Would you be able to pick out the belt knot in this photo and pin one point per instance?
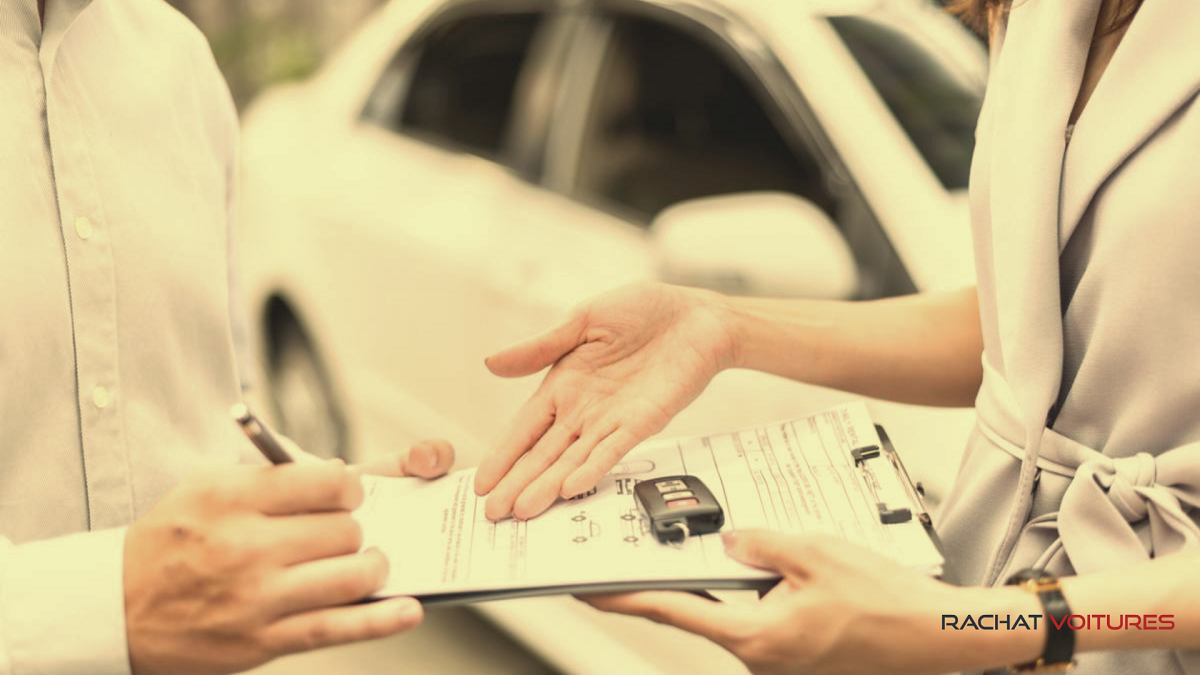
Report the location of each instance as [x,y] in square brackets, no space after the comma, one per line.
[1124,480]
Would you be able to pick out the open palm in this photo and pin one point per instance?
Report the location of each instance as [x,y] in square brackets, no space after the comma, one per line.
[624,364]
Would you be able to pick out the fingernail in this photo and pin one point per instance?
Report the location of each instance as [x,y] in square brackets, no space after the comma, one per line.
[417,458]
[408,608]
[729,538]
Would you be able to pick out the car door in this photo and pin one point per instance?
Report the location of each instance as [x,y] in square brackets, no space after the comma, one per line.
[422,172]
[682,106]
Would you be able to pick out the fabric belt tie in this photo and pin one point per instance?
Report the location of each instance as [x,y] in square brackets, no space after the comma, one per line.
[1107,496]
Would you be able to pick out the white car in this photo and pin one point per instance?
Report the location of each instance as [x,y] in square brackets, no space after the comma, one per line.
[464,171]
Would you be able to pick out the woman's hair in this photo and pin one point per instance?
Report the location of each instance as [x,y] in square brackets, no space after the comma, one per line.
[978,14]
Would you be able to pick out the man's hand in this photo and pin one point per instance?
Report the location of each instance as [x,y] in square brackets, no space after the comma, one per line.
[624,364]
[840,609]
[241,565]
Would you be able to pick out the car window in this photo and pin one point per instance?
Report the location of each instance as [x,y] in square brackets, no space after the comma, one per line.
[462,85]
[672,119]
[934,104]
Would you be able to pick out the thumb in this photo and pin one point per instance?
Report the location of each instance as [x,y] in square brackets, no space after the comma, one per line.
[426,459]
[790,555]
[529,356]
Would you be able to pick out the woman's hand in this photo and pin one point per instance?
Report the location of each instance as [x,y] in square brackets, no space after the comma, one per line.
[624,364]
[841,609]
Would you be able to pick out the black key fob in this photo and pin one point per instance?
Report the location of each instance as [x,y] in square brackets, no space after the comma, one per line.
[678,506]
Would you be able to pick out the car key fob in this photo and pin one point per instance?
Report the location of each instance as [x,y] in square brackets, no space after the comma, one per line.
[678,506]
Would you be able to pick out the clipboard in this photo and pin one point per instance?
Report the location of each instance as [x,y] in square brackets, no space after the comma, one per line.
[891,512]
[809,474]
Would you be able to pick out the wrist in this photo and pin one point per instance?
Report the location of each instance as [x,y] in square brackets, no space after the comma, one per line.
[728,345]
[988,628]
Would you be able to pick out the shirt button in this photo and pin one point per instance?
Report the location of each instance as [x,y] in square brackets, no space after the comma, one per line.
[83,227]
[100,397]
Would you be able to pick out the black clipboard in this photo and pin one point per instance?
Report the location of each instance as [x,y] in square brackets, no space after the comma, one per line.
[915,506]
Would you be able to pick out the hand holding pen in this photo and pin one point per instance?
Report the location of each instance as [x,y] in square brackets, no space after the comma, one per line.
[237,565]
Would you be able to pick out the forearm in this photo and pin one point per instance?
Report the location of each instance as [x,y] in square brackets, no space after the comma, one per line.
[1153,605]
[921,349]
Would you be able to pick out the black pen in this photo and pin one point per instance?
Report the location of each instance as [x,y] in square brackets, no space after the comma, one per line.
[260,435]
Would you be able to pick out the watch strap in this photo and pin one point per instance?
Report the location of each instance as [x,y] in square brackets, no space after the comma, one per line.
[1059,650]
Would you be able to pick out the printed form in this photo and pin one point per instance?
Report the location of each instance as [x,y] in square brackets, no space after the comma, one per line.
[795,476]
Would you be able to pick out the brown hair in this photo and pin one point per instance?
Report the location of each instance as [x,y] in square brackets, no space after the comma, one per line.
[978,14]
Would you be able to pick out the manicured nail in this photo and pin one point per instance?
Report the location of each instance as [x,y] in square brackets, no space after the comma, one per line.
[729,538]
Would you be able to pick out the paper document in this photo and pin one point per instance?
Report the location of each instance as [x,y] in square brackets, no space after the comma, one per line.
[795,476]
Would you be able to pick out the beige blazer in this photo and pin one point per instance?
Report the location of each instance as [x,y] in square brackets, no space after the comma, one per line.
[1086,455]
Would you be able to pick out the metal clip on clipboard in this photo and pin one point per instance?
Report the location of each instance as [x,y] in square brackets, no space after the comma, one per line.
[894,513]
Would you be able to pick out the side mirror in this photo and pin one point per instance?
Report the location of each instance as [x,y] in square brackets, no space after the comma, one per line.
[758,243]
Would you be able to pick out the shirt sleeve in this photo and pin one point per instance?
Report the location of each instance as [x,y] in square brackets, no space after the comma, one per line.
[62,606]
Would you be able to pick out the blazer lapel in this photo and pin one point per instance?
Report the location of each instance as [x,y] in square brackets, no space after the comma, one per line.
[1155,70]
[1036,79]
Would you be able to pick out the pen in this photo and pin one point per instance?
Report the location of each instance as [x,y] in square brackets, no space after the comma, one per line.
[260,435]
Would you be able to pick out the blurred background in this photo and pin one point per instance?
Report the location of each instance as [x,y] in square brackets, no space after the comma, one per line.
[262,42]
[427,181]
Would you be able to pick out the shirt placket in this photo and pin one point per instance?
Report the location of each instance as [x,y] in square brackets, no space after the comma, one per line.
[88,247]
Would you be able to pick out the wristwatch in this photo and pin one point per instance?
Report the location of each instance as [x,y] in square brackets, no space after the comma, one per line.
[1057,654]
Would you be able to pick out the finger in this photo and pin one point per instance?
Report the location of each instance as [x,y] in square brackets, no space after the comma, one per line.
[548,487]
[328,582]
[792,554]
[425,459]
[529,356]
[533,420]
[549,448]
[342,625]
[301,538]
[600,461]
[692,613]
[304,488]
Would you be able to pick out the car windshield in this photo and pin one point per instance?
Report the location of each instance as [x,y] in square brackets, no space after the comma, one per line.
[935,101]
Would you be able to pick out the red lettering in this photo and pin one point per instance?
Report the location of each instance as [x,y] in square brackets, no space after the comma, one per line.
[1058,623]
[1167,621]
[1148,622]
[1082,622]
[1120,623]
[1133,621]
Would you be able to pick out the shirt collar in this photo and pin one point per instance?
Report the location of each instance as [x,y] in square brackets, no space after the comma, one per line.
[60,16]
